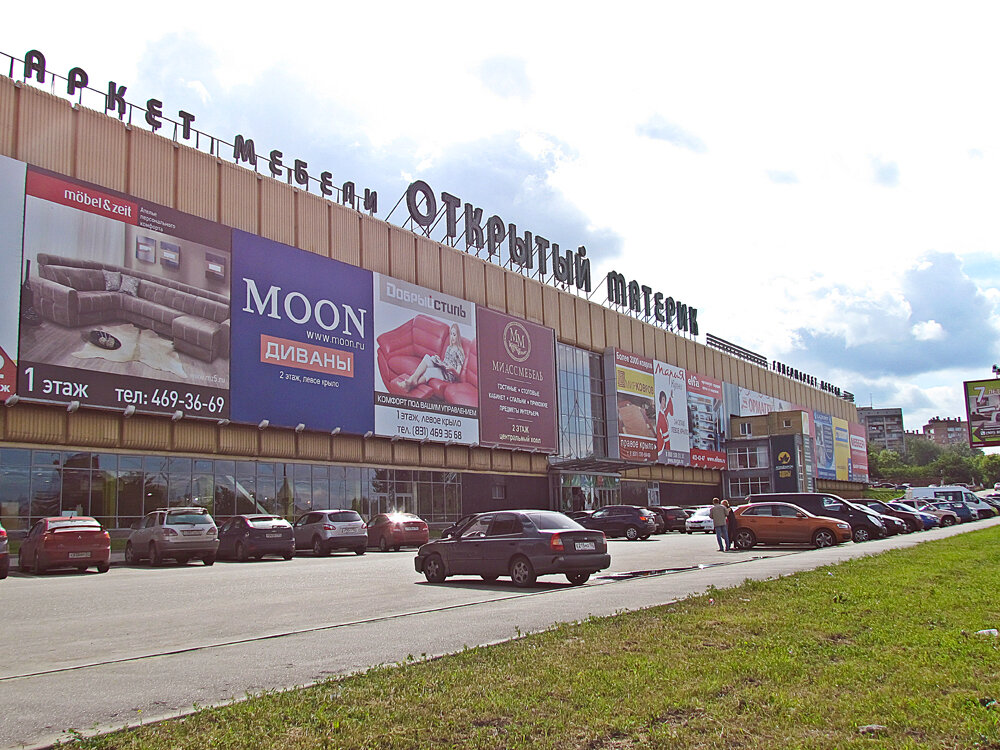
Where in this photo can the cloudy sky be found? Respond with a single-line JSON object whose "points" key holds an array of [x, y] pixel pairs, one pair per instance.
{"points": [[821, 182]]}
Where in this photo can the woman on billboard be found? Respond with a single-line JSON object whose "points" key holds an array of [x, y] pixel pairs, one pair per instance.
{"points": [[663, 424], [448, 368]]}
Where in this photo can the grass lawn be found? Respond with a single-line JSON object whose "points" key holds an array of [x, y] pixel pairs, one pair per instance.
{"points": [[804, 661]]}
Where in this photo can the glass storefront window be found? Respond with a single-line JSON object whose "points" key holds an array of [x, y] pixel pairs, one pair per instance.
{"points": [[582, 421]]}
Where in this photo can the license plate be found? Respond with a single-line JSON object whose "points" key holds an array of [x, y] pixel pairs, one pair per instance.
{"points": [[191, 532], [412, 528], [273, 536], [75, 555], [583, 546], [344, 530]]}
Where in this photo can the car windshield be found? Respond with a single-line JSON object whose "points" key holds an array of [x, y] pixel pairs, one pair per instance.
{"points": [[345, 515], [188, 516], [547, 520], [701, 512], [268, 521]]}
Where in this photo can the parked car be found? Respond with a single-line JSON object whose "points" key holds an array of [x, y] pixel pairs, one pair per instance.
{"points": [[522, 544], [4, 554], [254, 536], [891, 524], [912, 521], [181, 534], [961, 510], [323, 531], [700, 520], [661, 525], [925, 519], [945, 516], [784, 523], [394, 530], [455, 527], [65, 542], [953, 493], [629, 521], [673, 516], [864, 523]]}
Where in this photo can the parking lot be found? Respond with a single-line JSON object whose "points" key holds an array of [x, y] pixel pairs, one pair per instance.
{"points": [[88, 650]]}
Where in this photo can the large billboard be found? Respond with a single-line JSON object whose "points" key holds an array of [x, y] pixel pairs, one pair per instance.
{"points": [[517, 383], [785, 463], [841, 448], [427, 374], [826, 466], [302, 338], [128, 302], [631, 407], [12, 175], [859, 453], [673, 441], [982, 408], [704, 405]]}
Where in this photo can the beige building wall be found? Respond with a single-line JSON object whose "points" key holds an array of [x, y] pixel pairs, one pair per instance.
{"points": [[49, 132]]}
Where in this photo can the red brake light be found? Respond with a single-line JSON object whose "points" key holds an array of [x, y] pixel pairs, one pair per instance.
{"points": [[329, 527], [106, 535], [167, 531], [556, 544], [3, 533]]}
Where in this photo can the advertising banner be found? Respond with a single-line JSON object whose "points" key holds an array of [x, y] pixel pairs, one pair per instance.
{"points": [[517, 383], [841, 448], [631, 409], [826, 467], [785, 464], [427, 374], [673, 442], [12, 175], [704, 405], [128, 302], [755, 404], [859, 453], [302, 338], [982, 408]]}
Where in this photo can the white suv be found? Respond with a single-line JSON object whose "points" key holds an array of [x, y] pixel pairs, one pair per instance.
{"points": [[326, 530], [177, 533]]}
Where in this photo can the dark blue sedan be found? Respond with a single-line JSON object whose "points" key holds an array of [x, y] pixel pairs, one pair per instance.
{"points": [[522, 544], [253, 536]]}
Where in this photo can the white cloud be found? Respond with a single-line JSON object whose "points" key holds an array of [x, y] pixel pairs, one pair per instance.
{"points": [[928, 330]]}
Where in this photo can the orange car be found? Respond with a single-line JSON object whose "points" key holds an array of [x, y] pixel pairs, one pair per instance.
{"points": [[784, 523], [66, 542]]}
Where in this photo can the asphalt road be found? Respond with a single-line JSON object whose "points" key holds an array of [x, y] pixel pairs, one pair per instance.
{"points": [[94, 652]]}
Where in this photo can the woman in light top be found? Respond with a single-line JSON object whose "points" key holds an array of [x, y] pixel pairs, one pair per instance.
{"points": [[448, 368]]}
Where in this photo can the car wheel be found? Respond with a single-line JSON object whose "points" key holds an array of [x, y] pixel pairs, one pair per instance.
{"points": [[521, 572], [396, 548], [318, 549], [947, 521], [578, 578], [489, 579], [22, 564], [37, 568], [130, 556], [4, 567], [288, 555], [644, 537], [434, 569], [241, 552], [861, 534], [154, 555], [209, 560], [103, 567], [182, 560], [631, 533], [360, 550], [745, 539], [383, 544], [823, 538]]}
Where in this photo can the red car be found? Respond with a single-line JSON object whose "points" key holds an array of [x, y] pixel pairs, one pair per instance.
{"points": [[394, 530], [66, 542]]}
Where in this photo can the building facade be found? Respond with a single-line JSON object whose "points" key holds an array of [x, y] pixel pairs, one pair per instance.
{"points": [[884, 428], [209, 405], [947, 431]]}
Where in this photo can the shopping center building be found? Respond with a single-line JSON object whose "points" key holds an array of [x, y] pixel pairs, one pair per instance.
{"points": [[187, 328]]}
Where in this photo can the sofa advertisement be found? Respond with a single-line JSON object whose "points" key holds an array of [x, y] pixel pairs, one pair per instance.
{"points": [[673, 441], [12, 174], [517, 383], [826, 467], [704, 406], [124, 303], [302, 338], [631, 406], [427, 364]]}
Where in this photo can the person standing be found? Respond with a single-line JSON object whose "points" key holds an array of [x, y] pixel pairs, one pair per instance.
{"points": [[718, 515], [730, 522]]}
